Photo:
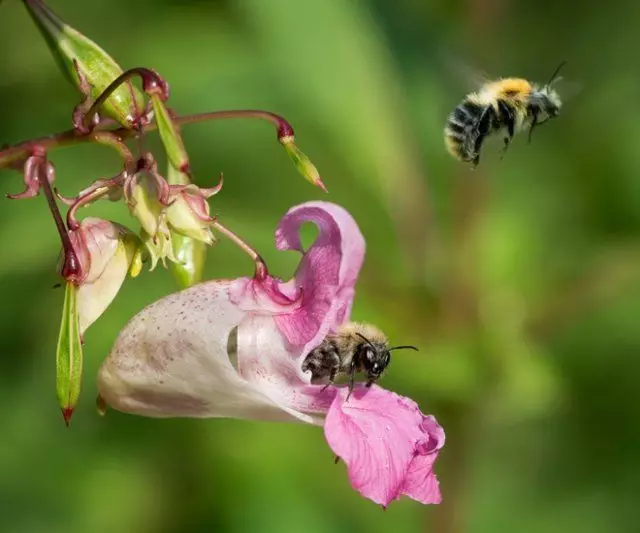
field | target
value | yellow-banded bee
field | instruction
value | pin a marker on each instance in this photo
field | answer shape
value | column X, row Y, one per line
column 355, row 347
column 509, row 104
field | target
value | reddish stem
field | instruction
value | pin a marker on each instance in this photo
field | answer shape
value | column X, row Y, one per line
column 152, row 83
column 18, row 152
column 71, row 268
column 261, row 267
column 283, row 127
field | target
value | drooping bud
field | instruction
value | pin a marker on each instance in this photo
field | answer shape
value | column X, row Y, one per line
column 189, row 220
column 111, row 251
column 170, row 134
column 69, row 354
column 87, row 66
column 147, row 195
column 302, row 162
column 188, row 210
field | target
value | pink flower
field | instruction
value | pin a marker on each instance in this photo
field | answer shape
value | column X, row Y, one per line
column 234, row 348
column 105, row 251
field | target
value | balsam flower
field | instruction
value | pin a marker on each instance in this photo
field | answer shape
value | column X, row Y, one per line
column 234, row 348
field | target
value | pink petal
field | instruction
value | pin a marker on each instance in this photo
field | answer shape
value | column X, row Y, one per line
column 421, row 483
column 173, row 359
column 386, row 444
column 327, row 272
column 265, row 296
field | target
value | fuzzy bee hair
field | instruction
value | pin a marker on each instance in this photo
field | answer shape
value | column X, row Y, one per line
column 509, row 105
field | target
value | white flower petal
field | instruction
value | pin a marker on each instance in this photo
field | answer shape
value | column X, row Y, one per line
column 172, row 359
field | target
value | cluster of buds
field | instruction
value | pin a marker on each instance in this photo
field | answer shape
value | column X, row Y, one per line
column 173, row 212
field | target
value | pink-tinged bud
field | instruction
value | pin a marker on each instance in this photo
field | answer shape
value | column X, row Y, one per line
column 190, row 251
column 87, row 66
column 147, row 195
column 107, row 251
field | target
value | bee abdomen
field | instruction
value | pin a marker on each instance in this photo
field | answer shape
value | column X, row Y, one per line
column 458, row 132
column 322, row 362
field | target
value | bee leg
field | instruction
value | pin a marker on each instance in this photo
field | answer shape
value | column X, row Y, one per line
column 510, row 122
column 482, row 130
column 352, row 375
column 332, row 377
column 534, row 121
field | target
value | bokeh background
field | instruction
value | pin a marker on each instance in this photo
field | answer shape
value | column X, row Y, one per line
column 520, row 281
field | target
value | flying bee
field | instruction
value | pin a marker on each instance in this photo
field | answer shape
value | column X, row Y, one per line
column 510, row 104
column 356, row 347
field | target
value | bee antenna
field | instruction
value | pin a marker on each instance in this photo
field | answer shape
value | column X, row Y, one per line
column 404, row 348
column 366, row 340
column 554, row 76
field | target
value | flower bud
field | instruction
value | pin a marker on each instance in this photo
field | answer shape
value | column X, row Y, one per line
column 302, row 162
column 188, row 214
column 107, row 252
column 188, row 249
column 87, row 66
column 69, row 354
column 146, row 195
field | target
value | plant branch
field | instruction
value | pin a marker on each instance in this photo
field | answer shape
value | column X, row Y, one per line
column 14, row 156
column 261, row 267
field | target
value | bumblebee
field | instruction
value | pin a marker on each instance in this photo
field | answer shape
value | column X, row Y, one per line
column 508, row 104
column 355, row 347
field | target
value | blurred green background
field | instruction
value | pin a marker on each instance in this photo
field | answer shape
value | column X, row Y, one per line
column 520, row 282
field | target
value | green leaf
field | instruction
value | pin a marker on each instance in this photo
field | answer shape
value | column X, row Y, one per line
column 69, row 355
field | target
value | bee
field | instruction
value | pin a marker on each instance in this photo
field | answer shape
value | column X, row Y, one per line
column 355, row 347
column 510, row 104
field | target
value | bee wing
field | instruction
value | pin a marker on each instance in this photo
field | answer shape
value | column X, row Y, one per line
column 568, row 90
column 470, row 78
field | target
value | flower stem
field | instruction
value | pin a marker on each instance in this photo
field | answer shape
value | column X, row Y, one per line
column 261, row 267
column 284, row 129
column 71, row 268
column 17, row 153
